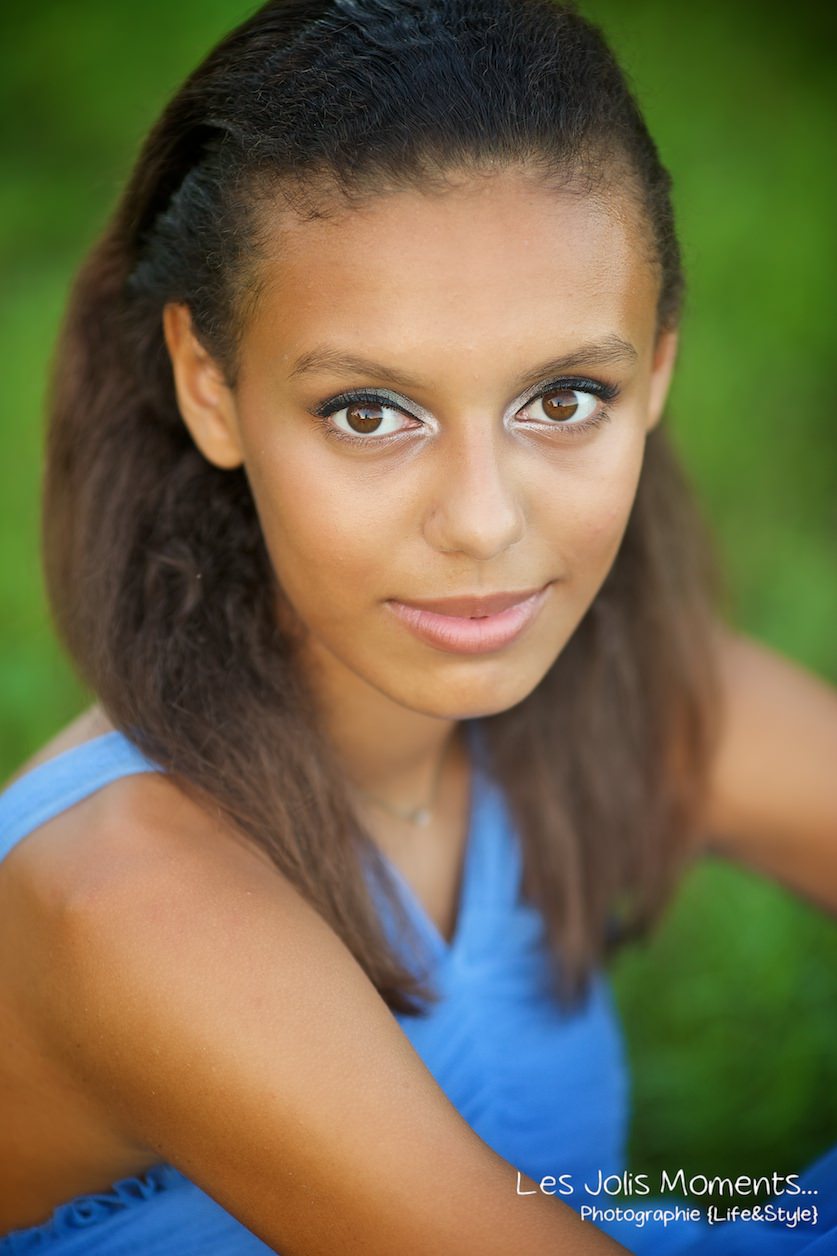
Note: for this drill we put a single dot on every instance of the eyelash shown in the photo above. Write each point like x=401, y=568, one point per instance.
x=324, y=411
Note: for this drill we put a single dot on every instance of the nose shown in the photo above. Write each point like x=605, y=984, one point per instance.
x=476, y=504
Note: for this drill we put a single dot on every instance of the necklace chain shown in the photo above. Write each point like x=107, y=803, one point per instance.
x=423, y=813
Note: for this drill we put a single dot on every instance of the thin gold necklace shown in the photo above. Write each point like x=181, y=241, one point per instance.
x=423, y=813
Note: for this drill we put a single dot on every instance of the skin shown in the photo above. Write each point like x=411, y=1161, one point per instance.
x=461, y=293
x=772, y=797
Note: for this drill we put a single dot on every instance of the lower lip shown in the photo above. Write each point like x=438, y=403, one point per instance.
x=461, y=635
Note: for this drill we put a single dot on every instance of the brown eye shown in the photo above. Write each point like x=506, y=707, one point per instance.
x=364, y=418
x=561, y=404
x=564, y=407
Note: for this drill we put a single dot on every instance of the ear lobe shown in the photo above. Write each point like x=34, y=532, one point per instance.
x=206, y=403
x=665, y=355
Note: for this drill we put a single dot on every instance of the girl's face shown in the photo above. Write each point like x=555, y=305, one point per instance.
x=441, y=396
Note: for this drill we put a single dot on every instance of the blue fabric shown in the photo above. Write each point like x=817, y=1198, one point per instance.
x=546, y=1088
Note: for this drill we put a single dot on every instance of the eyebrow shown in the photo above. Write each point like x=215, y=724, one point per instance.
x=609, y=350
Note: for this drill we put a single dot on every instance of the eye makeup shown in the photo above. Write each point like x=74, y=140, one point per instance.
x=605, y=392
x=383, y=399
x=374, y=398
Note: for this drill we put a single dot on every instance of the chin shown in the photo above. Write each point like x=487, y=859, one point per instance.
x=469, y=700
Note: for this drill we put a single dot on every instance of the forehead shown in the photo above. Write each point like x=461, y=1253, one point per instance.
x=492, y=263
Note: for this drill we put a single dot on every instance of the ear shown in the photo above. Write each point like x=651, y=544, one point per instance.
x=205, y=401
x=665, y=354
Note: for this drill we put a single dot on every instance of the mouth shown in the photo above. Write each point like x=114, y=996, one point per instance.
x=471, y=625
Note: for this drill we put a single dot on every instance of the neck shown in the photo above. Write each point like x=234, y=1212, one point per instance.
x=384, y=748
x=390, y=756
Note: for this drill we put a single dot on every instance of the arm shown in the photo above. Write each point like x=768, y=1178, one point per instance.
x=228, y=1030
x=773, y=795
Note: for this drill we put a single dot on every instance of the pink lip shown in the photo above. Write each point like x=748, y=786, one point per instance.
x=467, y=634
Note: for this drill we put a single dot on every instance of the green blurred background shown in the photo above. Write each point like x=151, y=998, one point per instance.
x=731, y=1009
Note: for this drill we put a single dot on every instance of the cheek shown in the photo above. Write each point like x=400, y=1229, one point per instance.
x=590, y=506
x=329, y=535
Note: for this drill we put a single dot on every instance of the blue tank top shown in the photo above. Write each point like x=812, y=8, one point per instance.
x=544, y=1087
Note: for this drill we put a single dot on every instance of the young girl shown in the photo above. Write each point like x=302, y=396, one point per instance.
x=413, y=695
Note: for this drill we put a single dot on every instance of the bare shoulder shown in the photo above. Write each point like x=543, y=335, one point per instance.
x=772, y=797
x=139, y=823
x=231, y=1032
x=64, y=1136
x=121, y=841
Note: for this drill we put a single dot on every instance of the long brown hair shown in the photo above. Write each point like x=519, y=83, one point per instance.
x=156, y=568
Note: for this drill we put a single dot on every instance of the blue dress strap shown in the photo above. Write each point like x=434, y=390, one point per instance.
x=44, y=791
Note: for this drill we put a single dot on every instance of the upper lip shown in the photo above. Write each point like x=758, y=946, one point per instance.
x=468, y=606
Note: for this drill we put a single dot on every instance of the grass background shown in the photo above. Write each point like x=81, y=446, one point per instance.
x=730, y=1010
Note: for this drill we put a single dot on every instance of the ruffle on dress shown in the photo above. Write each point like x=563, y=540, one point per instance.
x=87, y=1210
